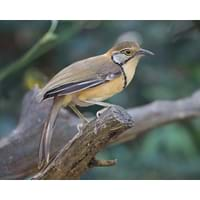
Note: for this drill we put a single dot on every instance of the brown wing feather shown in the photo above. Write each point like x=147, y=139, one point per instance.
x=94, y=69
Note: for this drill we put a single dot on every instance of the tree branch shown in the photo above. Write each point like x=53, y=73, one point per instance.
x=75, y=156
x=19, y=150
x=159, y=113
x=48, y=41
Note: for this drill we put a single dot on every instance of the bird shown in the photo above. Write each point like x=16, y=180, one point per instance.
x=88, y=82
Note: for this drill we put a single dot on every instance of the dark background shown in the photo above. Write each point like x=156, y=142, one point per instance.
x=168, y=152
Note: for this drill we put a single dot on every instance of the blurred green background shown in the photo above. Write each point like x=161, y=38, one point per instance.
x=168, y=152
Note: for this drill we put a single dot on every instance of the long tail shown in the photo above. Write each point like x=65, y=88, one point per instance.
x=45, y=142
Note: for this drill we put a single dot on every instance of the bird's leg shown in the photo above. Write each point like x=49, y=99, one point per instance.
x=99, y=103
x=84, y=121
x=79, y=114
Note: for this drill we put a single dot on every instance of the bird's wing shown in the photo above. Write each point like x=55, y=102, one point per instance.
x=81, y=75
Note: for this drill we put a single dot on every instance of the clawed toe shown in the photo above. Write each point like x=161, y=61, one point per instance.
x=99, y=113
x=82, y=125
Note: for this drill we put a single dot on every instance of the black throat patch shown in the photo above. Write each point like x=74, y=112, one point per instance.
x=123, y=72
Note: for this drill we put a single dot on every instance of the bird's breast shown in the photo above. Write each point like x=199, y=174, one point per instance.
x=129, y=69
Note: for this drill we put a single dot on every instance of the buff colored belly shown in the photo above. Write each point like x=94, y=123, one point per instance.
x=103, y=91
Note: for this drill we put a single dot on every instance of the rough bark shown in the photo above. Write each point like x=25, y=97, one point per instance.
x=78, y=154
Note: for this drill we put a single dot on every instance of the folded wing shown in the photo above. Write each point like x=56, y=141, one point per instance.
x=79, y=76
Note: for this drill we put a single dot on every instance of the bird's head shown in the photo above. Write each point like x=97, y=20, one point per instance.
x=124, y=52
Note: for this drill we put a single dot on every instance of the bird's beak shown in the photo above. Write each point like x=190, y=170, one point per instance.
x=144, y=52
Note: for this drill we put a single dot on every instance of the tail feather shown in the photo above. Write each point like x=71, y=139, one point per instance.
x=45, y=142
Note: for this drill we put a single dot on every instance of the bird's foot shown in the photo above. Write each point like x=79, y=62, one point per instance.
x=99, y=113
x=99, y=122
x=82, y=125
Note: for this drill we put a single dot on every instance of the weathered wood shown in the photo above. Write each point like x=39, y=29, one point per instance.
x=75, y=157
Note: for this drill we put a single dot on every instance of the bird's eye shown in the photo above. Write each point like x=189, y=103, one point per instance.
x=127, y=52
